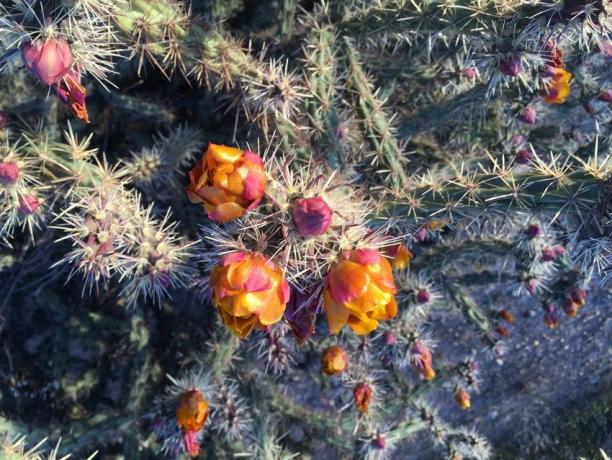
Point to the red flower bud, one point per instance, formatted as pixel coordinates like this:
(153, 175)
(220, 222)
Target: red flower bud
(511, 66)
(379, 442)
(311, 216)
(389, 338)
(502, 331)
(606, 95)
(528, 115)
(523, 156)
(463, 398)
(28, 204)
(571, 308)
(423, 296)
(5, 118)
(469, 73)
(9, 172)
(579, 296)
(534, 231)
(506, 316)
(48, 60)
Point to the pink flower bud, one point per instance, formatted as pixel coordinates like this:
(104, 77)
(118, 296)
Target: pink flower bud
(548, 254)
(534, 231)
(5, 118)
(528, 115)
(9, 172)
(311, 216)
(511, 65)
(532, 285)
(49, 60)
(606, 95)
(518, 139)
(421, 234)
(379, 442)
(423, 296)
(523, 156)
(469, 73)
(28, 204)
(389, 338)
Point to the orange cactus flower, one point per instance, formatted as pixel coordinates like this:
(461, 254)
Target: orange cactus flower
(362, 395)
(249, 291)
(401, 256)
(334, 360)
(192, 411)
(558, 88)
(359, 290)
(463, 398)
(228, 181)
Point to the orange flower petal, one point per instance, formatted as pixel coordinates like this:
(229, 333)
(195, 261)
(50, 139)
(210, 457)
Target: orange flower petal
(337, 314)
(226, 212)
(363, 325)
(223, 153)
(348, 281)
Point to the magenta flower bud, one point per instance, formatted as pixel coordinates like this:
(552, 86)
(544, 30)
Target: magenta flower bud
(28, 204)
(532, 286)
(528, 115)
(421, 234)
(534, 231)
(606, 95)
(518, 139)
(379, 442)
(549, 254)
(5, 118)
(523, 156)
(49, 60)
(511, 65)
(311, 216)
(9, 172)
(423, 296)
(389, 338)
(469, 73)
(559, 250)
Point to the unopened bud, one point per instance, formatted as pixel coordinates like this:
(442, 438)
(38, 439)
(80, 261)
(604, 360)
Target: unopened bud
(571, 308)
(28, 204)
(469, 73)
(578, 295)
(334, 360)
(502, 331)
(511, 65)
(311, 216)
(49, 60)
(389, 338)
(9, 172)
(506, 315)
(362, 395)
(423, 296)
(379, 442)
(5, 118)
(463, 398)
(523, 156)
(534, 231)
(606, 95)
(528, 115)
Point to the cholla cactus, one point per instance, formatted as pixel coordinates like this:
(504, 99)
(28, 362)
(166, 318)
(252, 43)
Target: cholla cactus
(289, 200)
